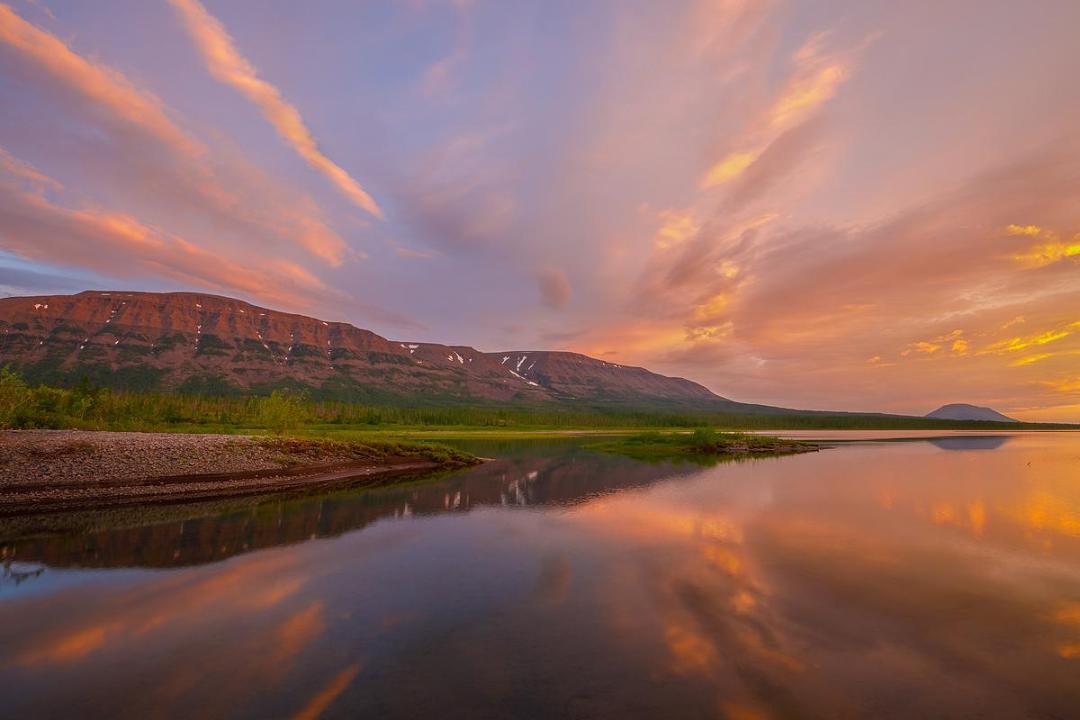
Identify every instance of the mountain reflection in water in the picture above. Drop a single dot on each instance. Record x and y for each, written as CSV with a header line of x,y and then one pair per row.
x,y
530,473
986,442
877,580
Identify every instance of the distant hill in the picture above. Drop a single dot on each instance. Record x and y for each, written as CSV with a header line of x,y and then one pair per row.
x,y
963,411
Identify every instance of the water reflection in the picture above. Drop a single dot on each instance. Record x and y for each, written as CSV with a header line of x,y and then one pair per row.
x,y
866,581
524,474
985,442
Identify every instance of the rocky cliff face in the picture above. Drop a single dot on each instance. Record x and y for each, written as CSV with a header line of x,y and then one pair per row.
x,y
205,343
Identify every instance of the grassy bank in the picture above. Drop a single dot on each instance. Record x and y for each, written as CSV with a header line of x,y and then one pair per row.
x,y
296,452
90,408
702,446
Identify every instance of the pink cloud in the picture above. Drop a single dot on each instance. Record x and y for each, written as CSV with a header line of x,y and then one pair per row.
x,y
119,245
160,161
555,290
230,67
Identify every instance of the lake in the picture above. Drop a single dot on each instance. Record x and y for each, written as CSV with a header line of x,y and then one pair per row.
x,y
923,577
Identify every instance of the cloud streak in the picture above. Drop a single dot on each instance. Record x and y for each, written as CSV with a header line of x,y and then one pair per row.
x,y
815,78
99,84
119,245
161,162
930,296
228,66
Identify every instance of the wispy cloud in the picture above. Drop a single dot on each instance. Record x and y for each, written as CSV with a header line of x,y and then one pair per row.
x,y
226,64
816,75
119,245
934,294
157,158
45,9
413,254
440,77
24,171
98,83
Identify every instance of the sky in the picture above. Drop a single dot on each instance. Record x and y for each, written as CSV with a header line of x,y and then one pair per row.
x,y
861,205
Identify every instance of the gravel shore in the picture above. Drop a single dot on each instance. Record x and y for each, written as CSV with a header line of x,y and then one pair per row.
x,y
54,470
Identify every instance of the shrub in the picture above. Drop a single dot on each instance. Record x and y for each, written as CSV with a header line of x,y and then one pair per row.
x,y
284,410
15,397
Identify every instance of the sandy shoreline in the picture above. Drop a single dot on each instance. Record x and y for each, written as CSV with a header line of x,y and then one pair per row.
x,y
58,470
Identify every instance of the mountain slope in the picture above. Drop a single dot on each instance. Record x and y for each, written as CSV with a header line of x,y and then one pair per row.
x,y
205,343
963,411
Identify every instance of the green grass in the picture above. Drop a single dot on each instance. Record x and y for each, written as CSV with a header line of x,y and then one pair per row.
x,y
703,446
292,451
286,419
290,412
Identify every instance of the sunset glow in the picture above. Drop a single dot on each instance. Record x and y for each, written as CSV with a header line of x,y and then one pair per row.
x,y
848,206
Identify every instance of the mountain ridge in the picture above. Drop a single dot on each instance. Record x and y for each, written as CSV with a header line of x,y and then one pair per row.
x,y
200,342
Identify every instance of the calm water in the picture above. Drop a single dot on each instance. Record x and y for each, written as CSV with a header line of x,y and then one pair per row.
x,y
925,578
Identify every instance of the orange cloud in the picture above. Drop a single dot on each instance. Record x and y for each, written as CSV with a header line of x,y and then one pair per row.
x,y
1049,253
119,245
1052,250
26,172
712,308
1067,386
954,341
1016,344
815,79
228,66
815,302
196,179
675,228
922,346
104,86
1039,357
729,168
1030,230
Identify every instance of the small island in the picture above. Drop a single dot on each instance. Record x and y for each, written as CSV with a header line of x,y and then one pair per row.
x,y
58,470
703,446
